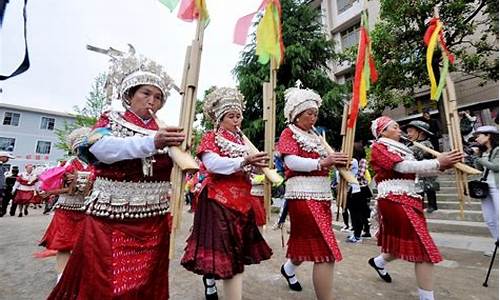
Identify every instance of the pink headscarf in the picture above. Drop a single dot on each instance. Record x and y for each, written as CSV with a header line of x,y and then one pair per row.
x,y
380,124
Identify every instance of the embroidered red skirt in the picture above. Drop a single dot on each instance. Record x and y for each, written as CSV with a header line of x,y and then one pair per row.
x,y
23,197
311,234
403,231
63,230
222,241
259,211
126,259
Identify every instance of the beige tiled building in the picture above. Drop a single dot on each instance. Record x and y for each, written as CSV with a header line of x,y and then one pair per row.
x,y
342,19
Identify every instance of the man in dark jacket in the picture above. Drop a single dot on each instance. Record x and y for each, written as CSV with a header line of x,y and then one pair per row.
x,y
418,131
4,157
9,185
434,128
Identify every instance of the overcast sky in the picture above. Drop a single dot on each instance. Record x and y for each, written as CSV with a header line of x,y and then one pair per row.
x,y
62,70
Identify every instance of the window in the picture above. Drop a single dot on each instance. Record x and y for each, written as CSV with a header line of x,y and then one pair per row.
x,y
43,147
7,144
349,37
48,123
10,118
349,78
343,5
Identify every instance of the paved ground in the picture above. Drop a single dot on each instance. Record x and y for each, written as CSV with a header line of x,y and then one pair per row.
x,y
460,276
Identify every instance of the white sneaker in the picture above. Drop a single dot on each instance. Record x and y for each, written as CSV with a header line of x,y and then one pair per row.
x,y
354,240
345,229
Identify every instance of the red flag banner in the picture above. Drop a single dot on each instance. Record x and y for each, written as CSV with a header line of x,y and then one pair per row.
x,y
365,72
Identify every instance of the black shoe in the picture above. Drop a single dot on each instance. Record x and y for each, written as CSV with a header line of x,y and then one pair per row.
x,y
430,210
293,286
20,215
213,296
26,211
386,277
366,235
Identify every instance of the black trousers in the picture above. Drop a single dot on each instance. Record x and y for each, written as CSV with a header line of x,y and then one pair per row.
x,y
4,202
358,206
431,199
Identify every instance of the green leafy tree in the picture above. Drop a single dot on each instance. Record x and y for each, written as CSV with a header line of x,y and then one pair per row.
x,y
471,33
86,116
307,55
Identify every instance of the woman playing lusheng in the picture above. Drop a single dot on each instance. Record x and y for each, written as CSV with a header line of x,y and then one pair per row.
x,y
403,231
308,193
225,236
63,230
122,249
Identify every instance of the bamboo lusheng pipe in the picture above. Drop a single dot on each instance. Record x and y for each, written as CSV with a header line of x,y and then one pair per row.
x,y
460,166
453,124
347,175
183,159
271,174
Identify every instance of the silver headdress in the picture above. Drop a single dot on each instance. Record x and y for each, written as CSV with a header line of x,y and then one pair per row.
x,y
76,137
130,69
298,100
222,100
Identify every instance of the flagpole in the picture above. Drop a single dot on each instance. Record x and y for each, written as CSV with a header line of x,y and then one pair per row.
x,y
453,125
269,116
188,109
341,183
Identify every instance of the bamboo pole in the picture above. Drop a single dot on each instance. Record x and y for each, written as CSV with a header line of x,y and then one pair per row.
x,y
269,107
456,138
460,166
346,175
267,99
269,134
270,174
189,87
453,125
347,148
341,184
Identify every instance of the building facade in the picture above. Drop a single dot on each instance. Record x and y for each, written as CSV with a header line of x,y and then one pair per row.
x,y
29,133
342,19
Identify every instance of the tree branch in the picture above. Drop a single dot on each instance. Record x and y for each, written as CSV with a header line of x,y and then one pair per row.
x,y
467,20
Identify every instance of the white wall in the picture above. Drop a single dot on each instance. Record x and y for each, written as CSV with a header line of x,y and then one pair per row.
x,y
28,133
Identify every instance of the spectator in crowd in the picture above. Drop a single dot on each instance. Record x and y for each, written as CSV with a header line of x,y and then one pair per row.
x,y
487,160
352,206
9,193
418,131
434,128
467,123
4,157
366,195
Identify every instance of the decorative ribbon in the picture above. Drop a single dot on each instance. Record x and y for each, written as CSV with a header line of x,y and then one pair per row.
x,y
191,10
25,64
434,36
269,42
